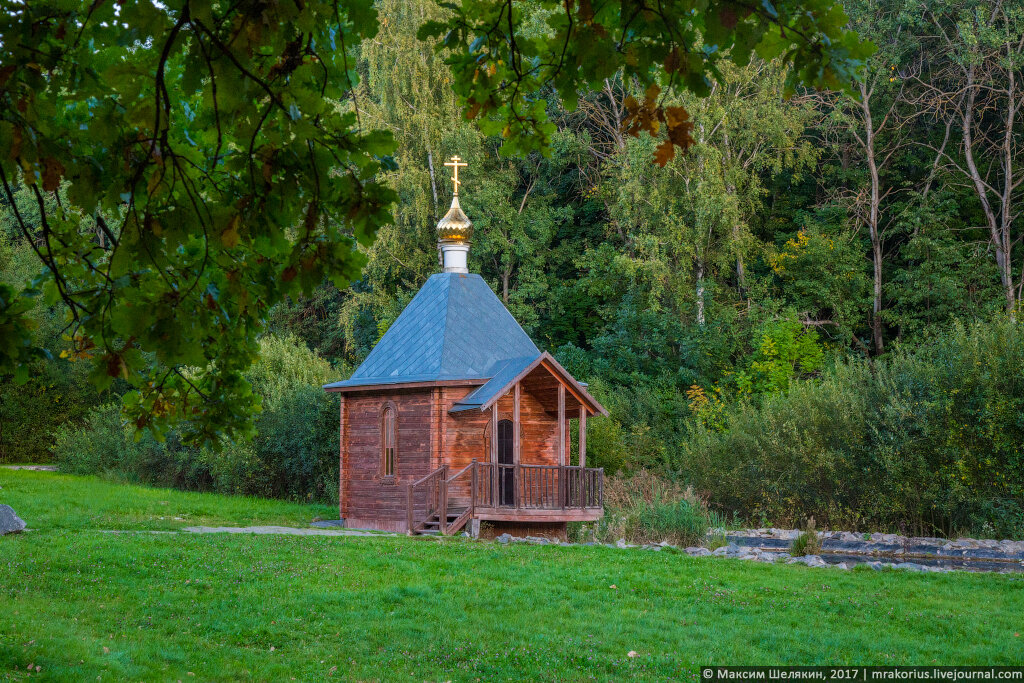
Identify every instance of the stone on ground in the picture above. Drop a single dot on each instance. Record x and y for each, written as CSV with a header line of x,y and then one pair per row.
x,y
10,523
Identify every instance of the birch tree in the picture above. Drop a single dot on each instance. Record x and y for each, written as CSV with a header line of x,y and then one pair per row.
x,y
971,77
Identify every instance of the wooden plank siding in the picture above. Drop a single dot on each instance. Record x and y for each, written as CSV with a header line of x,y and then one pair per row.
x,y
468,435
372,500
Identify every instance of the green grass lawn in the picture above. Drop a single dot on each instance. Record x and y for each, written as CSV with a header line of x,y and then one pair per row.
x,y
83,604
48,500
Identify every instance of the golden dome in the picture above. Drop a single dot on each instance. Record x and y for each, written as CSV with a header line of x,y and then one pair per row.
x,y
455,226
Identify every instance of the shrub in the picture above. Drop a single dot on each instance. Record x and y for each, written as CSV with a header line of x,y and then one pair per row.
x,y
100,446
294,454
924,442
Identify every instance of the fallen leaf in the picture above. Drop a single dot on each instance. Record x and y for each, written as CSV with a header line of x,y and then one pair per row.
x,y
631,653
106,650
613,586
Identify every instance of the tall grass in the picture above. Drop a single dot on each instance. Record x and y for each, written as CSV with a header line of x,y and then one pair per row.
x,y
645,508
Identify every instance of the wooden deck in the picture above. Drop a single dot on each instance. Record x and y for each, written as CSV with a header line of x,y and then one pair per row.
x,y
505,514
509,493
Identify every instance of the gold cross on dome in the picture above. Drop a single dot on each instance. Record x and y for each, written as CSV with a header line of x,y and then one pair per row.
x,y
455,163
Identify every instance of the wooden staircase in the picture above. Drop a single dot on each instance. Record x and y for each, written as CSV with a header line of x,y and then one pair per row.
x,y
429,496
456,520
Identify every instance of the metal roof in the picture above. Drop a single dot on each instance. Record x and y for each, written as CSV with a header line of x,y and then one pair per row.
x,y
455,328
505,374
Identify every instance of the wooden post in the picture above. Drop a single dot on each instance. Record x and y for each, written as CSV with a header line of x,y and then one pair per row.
x,y
494,455
516,445
583,435
517,482
494,432
561,424
442,514
561,485
473,485
341,459
408,508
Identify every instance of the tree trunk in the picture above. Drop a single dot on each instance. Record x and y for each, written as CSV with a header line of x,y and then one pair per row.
x,y
873,221
433,182
700,293
999,232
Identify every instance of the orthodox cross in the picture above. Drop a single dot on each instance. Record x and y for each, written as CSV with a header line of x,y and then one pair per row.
x,y
455,163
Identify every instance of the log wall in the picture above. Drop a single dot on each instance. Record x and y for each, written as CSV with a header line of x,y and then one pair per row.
x,y
370,499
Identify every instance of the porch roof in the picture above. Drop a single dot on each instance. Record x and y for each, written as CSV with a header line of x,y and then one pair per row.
x,y
514,370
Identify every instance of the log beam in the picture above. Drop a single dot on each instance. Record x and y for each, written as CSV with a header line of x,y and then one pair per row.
x,y
561,425
583,436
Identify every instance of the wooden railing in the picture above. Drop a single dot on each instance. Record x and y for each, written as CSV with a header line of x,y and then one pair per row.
x,y
453,483
425,498
538,487
490,485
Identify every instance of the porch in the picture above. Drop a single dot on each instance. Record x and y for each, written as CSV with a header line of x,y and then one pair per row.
x,y
508,493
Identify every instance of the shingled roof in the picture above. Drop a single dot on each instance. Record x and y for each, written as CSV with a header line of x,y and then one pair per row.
x,y
455,328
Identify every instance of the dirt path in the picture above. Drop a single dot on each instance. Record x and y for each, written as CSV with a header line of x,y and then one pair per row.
x,y
37,468
280,530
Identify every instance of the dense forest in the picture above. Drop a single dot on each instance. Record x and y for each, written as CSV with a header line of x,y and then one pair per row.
x,y
814,311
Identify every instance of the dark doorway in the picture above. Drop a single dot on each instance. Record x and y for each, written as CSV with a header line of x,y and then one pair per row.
x,y
506,471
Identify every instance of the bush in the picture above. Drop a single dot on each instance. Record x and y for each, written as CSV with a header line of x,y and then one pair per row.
x,y
927,442
294,454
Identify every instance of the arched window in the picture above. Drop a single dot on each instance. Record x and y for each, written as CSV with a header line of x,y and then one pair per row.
x,y
388,441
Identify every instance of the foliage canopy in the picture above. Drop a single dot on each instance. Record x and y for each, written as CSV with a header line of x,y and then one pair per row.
x,y
215,161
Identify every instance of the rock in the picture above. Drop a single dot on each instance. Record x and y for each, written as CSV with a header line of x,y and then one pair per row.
x,y
721,551
733,550
537,540
10,523
842,565
877,566
325,523
697,551
816,561
621,543
504,538
910,566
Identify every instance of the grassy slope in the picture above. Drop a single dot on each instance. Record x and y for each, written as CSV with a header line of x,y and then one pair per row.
x,y
83,604
46,500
